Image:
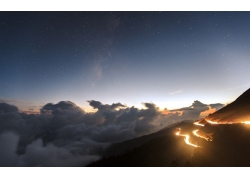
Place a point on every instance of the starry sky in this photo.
(168, 58)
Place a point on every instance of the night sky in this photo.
(170, 59)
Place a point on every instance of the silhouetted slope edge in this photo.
(235, 112)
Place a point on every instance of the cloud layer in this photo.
(65, 135)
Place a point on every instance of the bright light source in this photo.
(211, 122)
(198, 124)
(186, 139)
(200, 136)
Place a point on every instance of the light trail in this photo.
(186, 139)
(195, 133)
(211, 122)
(200, 136)
(207, 137)
(198, 124)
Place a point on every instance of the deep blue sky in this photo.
(168, 58)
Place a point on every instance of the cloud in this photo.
(98, 105)
(8, 145)
(175, 92)
(6, 108)
(64, 128)
(216, 106)
(61, 106)
(193, 112)
(38, 155)
(51, 155)
(10, 119)
(25, 106)
(65, 135)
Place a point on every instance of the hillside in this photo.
(163, 149)
(230, 147)
(122, 147)
(235, 112)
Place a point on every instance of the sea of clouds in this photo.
(65, 135)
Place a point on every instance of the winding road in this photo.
(186, 139)
(195, 132)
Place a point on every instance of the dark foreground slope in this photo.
(237, 111)
(122, 147)
(165, 150)
(230, 147)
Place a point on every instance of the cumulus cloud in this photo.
(67, 132)
(63, 106)
(216, 106)
(10, 119)
(65, 135)
(6, 108)
(193, 112)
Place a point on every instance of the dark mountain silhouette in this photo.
(235, 112)
(230, 145)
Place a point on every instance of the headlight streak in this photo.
(186, 139)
